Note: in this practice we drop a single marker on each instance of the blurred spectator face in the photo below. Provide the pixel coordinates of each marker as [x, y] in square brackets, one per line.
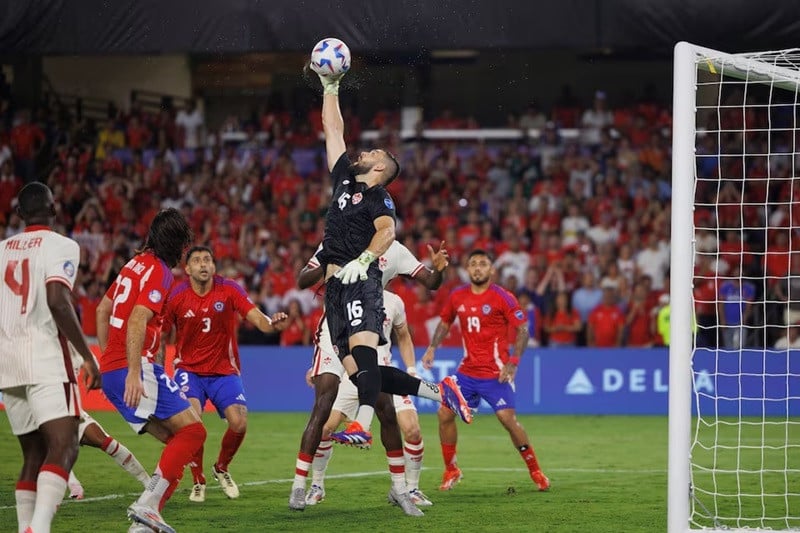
[562, 300]
[609, 295]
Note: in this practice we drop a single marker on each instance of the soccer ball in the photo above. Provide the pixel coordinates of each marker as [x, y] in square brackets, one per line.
[330, 57]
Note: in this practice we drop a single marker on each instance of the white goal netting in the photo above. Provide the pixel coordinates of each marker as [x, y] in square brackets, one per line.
[745, 448]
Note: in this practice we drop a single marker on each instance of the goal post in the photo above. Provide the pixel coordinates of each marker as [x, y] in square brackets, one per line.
[734, 392]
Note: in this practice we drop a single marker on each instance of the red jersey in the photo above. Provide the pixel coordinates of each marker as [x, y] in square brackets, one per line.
[206, 326]
[607, 321]
[485, 320]
[144, 280]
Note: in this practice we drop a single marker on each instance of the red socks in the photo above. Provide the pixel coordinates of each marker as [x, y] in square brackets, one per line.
[528, 455]
[184, 445]
[449, 455]
[230, 444]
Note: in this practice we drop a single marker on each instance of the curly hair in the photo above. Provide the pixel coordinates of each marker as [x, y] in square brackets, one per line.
[168, 236]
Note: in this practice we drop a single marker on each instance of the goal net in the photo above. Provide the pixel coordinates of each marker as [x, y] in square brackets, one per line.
[734, 414]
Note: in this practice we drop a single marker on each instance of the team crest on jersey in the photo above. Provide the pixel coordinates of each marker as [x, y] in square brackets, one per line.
[357, 197]
[486, 309]
[389, 203]
[519, 314]
[69, 269]
[154, 296]
[219, 306]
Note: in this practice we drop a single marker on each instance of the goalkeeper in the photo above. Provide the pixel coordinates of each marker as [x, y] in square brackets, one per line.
[359, 228]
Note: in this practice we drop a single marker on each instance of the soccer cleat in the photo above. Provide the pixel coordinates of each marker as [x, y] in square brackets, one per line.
[230, 488]
[419, 499]
[75, 490]
[297, 499]
[450, 478]
[403, 500]
[454, 400]
[149, 517]
[198, 493]
[315, 495]
[136, 527]
[353, 435]
[541, 480]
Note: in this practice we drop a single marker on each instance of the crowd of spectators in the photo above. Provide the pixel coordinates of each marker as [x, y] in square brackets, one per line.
[579, 226]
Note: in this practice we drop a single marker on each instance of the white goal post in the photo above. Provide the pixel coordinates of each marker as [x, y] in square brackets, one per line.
[734, 389]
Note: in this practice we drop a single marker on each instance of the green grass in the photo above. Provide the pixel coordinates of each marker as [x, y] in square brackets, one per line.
[608, 474]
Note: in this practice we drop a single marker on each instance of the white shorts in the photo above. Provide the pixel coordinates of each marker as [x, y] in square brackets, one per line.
[325, 359]
[30, 406]
[347, 400]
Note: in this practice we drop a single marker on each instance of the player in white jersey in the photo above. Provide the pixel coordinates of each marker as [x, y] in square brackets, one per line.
[91, 433]
[39, 385]
[346, 405]
[327, 369]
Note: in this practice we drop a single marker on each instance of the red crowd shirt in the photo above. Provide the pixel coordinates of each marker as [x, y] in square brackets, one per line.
[206, 326]
[144, 280]
[607, 321]
[485, 320]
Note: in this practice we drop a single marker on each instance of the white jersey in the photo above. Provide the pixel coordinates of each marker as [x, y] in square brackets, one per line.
[395, 316]
[31, 349]
[396, 261]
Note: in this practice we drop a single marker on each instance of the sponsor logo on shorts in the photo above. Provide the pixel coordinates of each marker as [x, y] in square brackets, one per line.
[154, 296]
[69, 269]
[219, 306]
[355, 322]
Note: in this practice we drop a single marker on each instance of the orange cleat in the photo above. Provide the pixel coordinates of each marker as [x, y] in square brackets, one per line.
[450, 477]
[541, 480]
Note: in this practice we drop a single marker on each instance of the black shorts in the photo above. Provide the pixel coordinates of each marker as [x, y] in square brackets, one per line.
[353, 308]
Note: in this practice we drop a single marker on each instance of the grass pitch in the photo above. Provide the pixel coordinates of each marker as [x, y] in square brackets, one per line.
[608, 474]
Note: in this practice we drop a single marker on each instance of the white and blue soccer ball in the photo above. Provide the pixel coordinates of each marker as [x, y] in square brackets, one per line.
[330, 57]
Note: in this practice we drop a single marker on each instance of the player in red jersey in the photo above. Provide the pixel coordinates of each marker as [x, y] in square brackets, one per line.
[203, 310]
[129, 322]
[485, 312]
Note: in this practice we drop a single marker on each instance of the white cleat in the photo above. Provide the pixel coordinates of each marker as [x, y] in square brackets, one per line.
[315, 495]
[198, 493]
[149, 517]
[419, 499]
[75, 490]
[403, 500]
[229, 487]
[136, 527]
[297, 499]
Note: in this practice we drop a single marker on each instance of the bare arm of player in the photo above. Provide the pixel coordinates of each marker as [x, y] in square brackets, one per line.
[264, 323]
[103, 314]
[309, 276]
[384, 235]
[509, 369]
[405, 345]
[333, 127]
[134, 342]
[438, 336]
[59, 300]
[432, 278]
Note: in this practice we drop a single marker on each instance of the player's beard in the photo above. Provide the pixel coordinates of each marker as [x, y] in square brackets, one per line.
[357, 169]
[480, 280]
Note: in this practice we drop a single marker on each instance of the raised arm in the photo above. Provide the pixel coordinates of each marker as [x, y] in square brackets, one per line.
[333, 126]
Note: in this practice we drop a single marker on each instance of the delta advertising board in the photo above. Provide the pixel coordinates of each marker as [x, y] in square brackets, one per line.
[562, 381]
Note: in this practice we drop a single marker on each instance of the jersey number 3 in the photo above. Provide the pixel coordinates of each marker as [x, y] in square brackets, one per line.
[19, 287]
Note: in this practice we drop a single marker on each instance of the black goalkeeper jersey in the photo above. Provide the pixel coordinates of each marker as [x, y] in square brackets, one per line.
[349, 225]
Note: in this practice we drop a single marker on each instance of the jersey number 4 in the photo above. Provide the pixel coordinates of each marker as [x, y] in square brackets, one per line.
[20, 287]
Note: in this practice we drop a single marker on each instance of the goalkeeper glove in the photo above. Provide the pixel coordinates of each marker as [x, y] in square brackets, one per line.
[330, 83]
[356, 269]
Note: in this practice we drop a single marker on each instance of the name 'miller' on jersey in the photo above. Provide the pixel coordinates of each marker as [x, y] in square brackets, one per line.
[349, 226]
[206, 326]
[33, 351]
[485, 320]
[145, 280]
